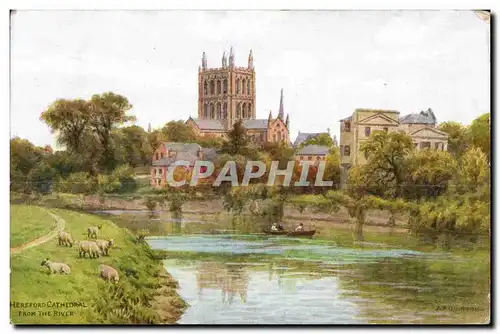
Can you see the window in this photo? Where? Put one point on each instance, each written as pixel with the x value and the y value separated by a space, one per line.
pixel 160 171
pixel 161 155
pixel 309 158
pixel 347 126
pixel 386 129
pixel 237 85
pixel 212 87
pixel 158 182
pixel 219 86
pixel 347 150
pixel 368 130
pixel 157 156
pixel 243 86
pixel 205 88
pixel 224 111
pixel 301 158
pixel 224 89
pixel 436 146
pixel 248 88
pixel 206 111
pixel 425 144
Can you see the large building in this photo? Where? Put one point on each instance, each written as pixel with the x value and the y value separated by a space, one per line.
pixel 227 94
pixel 356 129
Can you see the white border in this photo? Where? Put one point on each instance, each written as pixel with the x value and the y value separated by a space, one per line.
pixel 193 5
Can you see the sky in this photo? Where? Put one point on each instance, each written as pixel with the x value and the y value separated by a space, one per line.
pixel 328 63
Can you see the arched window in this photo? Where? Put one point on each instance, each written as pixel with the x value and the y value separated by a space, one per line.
pixel 205 111
pixel 237 85
pixel 238 111
pixel 249 89
pixel 219 116
pixel 279 136
pixel 250 111
pixel 224 111
pixel 245 110
pixel 212 111
pixel 212 87
pixel 205 88
pixel 219 86
pixel 244 86
pixel 224 89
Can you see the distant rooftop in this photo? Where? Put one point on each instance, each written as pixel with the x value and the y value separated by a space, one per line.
pixel 303 136
pixel 424 117
pixel 216 125
pixel 314 150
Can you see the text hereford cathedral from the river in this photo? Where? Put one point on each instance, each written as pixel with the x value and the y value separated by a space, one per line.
pixel 227 94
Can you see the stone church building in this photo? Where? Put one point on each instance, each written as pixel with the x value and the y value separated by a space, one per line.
pixel 227 94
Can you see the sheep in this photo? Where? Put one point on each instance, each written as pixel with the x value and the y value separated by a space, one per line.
pixel 89 247
pixel 109 273
pixel 105 245
pixel 56 267
pixel 65 239
pixel 93 231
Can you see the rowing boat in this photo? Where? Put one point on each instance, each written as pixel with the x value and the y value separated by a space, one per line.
pixel 292 233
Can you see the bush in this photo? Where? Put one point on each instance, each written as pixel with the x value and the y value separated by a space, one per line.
pixel 77 183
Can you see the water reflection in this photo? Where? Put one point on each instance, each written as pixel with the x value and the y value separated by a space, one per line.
pixel 231 280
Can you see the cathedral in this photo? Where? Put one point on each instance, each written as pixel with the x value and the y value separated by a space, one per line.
pixel 227 94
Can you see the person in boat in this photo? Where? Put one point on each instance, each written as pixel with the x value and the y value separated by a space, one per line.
pixel 281 227
pixel 299 228
pixel 274 227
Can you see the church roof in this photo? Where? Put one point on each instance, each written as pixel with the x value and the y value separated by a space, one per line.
pixel 255 124
pixel 208 124
pixel 314 150
pixel 424 117
pixel 303 136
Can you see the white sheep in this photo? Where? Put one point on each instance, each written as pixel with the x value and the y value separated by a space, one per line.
pixel 65 239
pixel 105 245
pixel 109 273
pixel 93 231
pixel 88 247
pixel 56 267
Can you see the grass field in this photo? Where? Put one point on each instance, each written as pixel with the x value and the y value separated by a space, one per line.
pixel 27 223
pixel 133 300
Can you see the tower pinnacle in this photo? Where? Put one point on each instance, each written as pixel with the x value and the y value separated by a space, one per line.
pixel 250 60
pixel 224 60
pixel 231 57
pixel 204 61
pixel 281 112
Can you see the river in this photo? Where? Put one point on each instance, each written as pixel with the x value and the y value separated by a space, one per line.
pixel 229 273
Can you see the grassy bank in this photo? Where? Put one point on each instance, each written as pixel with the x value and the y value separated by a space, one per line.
pixel 28 223
pixel 147 295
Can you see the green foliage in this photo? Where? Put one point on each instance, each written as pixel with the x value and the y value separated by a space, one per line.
pixel 478 134
pixel 323 139
pixel 41 177
pixel 77 183
pixel 121 180
pixel 178 131
pixel 473 173
pixel 237 142
pixel 429 173
pixel 457 137
pixel 387 159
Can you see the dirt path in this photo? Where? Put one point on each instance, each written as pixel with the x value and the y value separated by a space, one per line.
pixel 61 223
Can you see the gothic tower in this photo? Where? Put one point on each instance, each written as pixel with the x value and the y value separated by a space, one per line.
pixel 226 93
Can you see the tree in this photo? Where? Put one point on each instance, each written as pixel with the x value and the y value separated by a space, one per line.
pixel 473 173
pixel 40 178
pixel 237 141
pixel 178 131
pixel 69 119
pixel 107 111
pixel 387 157
pixel 429 172
pixel 133 142
pixel 457 137
pixel 322 139
pixel 479 134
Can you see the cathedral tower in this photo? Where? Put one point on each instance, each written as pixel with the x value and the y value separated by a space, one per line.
pixel 226 93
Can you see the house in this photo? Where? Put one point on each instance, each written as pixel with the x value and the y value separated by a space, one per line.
pixel 356 129
pixel 312 153
pixel 169 152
